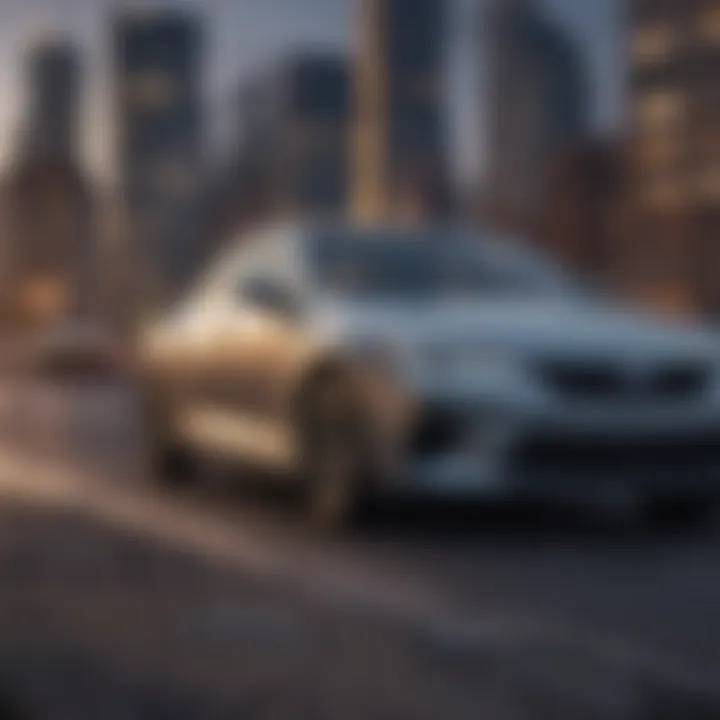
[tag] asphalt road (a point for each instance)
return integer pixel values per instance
(589, 610)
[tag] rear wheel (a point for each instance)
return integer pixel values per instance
(173, 465)
(335, 458)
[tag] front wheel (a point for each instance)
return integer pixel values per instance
(171, 462)
(173, 465)
(335, 458)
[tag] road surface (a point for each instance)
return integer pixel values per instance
(619, 620)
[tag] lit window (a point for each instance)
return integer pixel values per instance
(655, 152)
(153, 90)
(709, 24)
(653, 43)
(176, 178)
(708, 185)
(660, 109)
(663, 194)
(45, 296)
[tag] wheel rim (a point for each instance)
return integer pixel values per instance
(334, 467)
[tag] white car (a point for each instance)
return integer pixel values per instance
(358, 362)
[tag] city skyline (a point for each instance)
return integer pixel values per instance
(245, 34)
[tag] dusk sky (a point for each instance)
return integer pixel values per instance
(245, 33)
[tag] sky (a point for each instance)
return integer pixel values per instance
(245, 33)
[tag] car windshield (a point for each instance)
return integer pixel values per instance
(416, 268)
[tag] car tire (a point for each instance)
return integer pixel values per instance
(174, 466)
(335, 459)
(172, 463)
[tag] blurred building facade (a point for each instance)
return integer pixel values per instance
(158, 66)
(584, 219)
(47, 198)
(399, 142)
(539, 106)
(51, 127)
(675, 151)
(294, 129)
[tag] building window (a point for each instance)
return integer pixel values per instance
(652, 44)
(708, 142)
(708, 185)
(663, 193)
(655, 152)
(660, 110)
(153, 90)
(176, 179)
(708, 24)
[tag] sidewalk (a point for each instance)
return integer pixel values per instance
(94, 624)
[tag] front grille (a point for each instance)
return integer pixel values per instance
(608, 383)
(680, 382)
(585, 381)
(607, 455)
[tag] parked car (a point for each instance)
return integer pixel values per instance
(75, 349)
(357, 363)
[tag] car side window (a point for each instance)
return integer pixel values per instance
(263, 281)
(248, 270)
(206, 303)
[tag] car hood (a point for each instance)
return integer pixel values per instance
(546, 328)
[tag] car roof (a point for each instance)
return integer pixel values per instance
(303, 231)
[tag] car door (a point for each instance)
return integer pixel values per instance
(257, 343)
(193, 330)
(172, 349)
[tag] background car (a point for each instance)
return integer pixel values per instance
(76, 349)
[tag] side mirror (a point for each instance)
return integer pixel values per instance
(269, 295)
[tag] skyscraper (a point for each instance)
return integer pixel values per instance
(158, 86)
(538, 106)
(585, 212)
(47, 197)
(675, 150)
(399, 138)
(294, 128)
(52, 127)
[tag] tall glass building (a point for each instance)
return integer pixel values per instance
(294, 128)
(399, 121)
(158, 70)
(537, 106)
(52, 124)
(46, 196)
(674, 80)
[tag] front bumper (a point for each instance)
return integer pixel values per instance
(493, 454)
